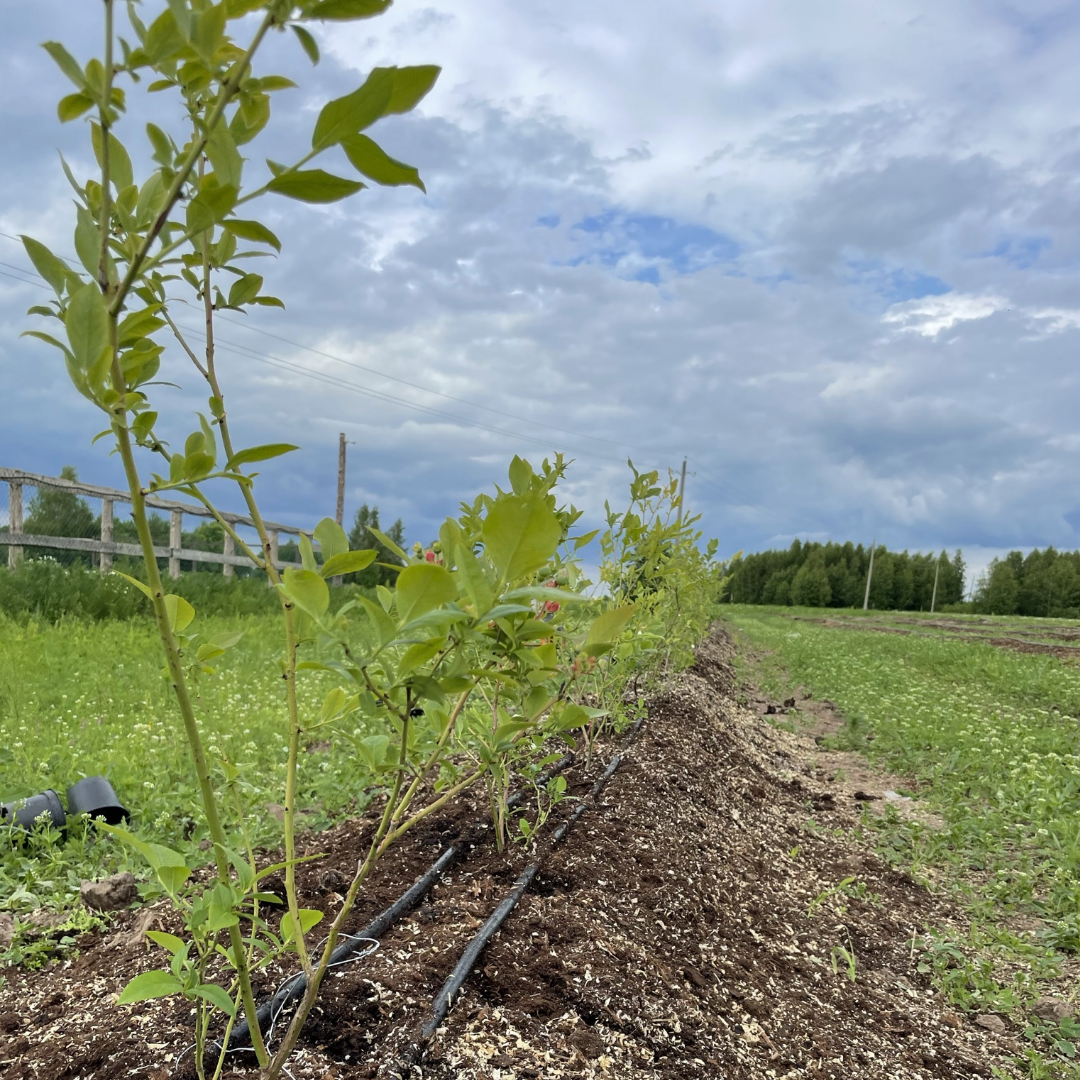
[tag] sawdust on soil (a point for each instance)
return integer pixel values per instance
(690, 926)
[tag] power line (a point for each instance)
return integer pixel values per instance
(405, 382)
(332, 380)
(24, 280)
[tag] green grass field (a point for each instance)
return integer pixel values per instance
(990, 739)
(82, 699)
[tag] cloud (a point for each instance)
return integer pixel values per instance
(828, 251)
(931, 315)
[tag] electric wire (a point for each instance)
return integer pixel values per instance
(332, 380)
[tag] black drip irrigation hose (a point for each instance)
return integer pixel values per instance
(294, 988)
(444, 1000)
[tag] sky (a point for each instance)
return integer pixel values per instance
(827, 251)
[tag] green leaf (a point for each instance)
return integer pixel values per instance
(307, 554)
(345, 116)
(308, 919)
(581, 541)
(308, 591)
(48, 265)
(221, 914)
(245, 289)
(167, 941)
(73, 106)
(314, 186)
(151, 199)
(417, 655)
(224, 157)
(423, 587)
(87, 240)
(411, 84)
(348, 562)
(389, 544)
(471, 573)
(238, 8)
(368, 158)
(180, 613)
(87, 323)
(172, 877)
(138, 325)
(345, 9)
(252, 230)
(145, 589)
(213, 202)
(373, 749)
(333, 703)
(331, 538)
(573, 716)
(120, 174)
(520, 534)
(216, 996)
(385, 627)
(521, 476)
(259, 453)
(543, 592)
(606, 628)
(162, 144)
(149, 985)
(208, 31)
(307, 43)
(66, 63)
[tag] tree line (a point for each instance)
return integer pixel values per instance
(834, 575)
(1043, 583)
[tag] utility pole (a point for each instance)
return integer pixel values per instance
(933, 599)
(339, 517)
(869, 575)
(682, 489)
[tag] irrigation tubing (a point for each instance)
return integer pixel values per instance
(294, 988)
(444, 1000)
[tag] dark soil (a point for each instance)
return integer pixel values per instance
(689, 926)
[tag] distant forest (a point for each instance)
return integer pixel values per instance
(834, 575)
(1045, 583)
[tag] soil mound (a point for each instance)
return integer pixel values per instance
(708, 918)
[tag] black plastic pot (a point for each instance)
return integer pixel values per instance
(95, 796)
(22, 813)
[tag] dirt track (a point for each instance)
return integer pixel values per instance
(684, 929)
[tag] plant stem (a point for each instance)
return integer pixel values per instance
(180, 689)
(106, 124)
(291, 642)
(375, 850)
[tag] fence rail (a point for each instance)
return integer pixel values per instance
(15, 539)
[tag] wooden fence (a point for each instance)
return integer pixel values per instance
(105, 548)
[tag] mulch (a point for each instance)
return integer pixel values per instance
(689, 926)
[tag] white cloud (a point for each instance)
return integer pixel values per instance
(931, 315)
(881, 348)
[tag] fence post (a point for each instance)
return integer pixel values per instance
(105, 562)
(230, 549)
(15, 520)
(176, 521)
(273, 554)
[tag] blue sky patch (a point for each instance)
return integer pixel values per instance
(618, 239)
(893, 284)
(1020, 251)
